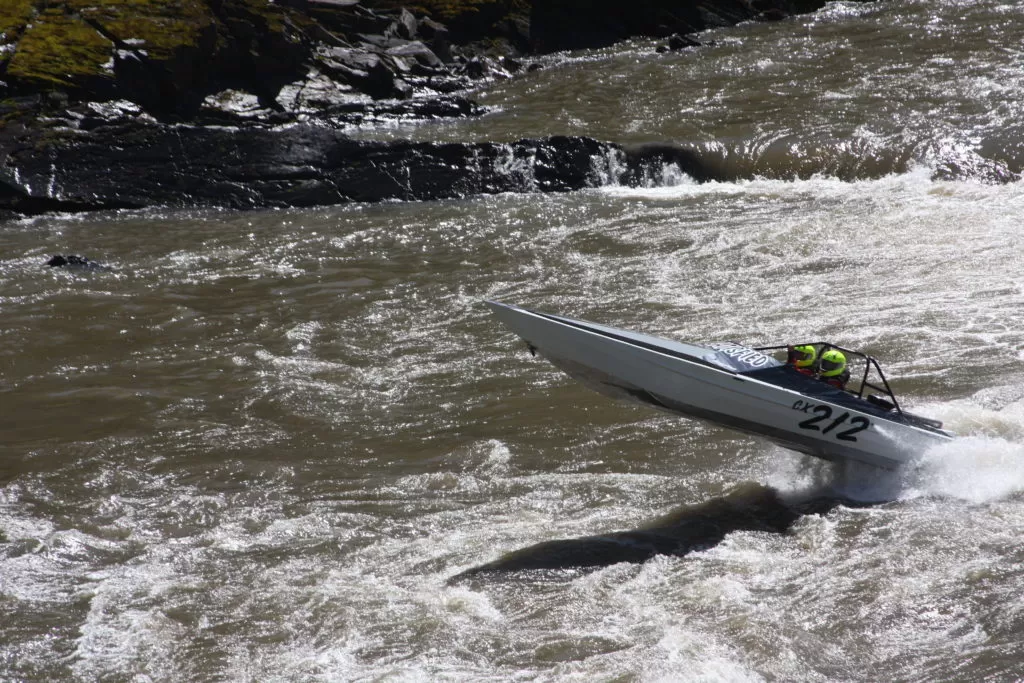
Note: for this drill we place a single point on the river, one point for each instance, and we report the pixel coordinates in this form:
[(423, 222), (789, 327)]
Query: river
[(266, 444)]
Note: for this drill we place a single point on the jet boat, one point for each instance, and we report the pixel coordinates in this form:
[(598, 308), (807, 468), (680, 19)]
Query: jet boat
[(736, 386)]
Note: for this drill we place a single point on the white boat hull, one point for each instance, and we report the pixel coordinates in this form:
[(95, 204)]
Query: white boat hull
[(673, 376)]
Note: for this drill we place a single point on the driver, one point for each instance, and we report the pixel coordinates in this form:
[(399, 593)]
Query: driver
[(833, 368)]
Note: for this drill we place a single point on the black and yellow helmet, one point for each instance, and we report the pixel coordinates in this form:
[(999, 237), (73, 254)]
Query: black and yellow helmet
[(802, 356), (833, 363)]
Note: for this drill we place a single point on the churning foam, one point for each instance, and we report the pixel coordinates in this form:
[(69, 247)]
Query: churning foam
[(984, 463), (978, 469)]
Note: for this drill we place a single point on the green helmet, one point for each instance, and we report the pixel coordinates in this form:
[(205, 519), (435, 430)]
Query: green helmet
[(802, 356), (833, 363)]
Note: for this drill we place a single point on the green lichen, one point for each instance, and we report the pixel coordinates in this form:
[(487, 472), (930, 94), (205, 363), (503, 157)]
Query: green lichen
[(69, 41), (162, 26), (59, 49), (14, 16), (260, 10)]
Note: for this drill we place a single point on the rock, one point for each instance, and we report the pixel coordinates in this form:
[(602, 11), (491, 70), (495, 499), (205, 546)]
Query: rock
[(403, 89), (334, 3), (349, 19), (349, 58), (646, 163), (77, 263), (233, 106), (312, 96), (487, 23), (171, 63), (148, 164), (166, 59), (774, 14), (369, 72), (447, 84), (510, 65), (381, 42), (429, 29), (405, 25), (438, 39), (476, 68), (577, 24), (678, 42), (420, 108), (419, 52)]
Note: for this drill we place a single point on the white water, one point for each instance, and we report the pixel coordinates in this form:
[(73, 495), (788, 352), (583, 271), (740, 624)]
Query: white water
[(262, 448), (335, 491)]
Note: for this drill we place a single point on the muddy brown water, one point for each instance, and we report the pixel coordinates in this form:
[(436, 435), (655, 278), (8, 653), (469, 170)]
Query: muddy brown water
[(262, 447)]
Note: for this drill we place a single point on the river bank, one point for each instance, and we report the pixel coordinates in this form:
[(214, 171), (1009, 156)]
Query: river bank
[(244, 103)]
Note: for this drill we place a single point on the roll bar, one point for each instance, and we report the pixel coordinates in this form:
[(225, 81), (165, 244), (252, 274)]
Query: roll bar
[(865, 383)]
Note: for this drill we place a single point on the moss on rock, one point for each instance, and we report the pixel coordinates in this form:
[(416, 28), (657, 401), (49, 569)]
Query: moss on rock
[(14, 16), (59, 49), (70, 44), (159, 27), (165, 55)]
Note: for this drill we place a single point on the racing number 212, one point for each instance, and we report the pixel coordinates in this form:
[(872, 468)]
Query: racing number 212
[(822, 413)]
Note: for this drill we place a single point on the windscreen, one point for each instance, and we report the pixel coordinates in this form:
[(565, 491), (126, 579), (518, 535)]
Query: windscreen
[(738, 358)]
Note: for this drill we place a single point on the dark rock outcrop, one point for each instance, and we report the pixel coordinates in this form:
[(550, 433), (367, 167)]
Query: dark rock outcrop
[(176, 59), (137, 164), (646, 163)]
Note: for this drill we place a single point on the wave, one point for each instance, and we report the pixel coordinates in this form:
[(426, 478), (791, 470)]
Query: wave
[(983, 466), (986, 463), (801, 158)]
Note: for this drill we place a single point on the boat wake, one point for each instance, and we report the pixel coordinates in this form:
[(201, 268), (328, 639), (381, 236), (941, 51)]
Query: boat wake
[(976, 469), (986, 465)]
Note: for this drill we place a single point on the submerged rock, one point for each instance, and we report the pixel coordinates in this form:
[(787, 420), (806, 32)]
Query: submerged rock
[(693, 528), (74, 262)]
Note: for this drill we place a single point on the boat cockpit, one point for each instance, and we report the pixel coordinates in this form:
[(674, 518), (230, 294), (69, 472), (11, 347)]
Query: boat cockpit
[(867, 381)]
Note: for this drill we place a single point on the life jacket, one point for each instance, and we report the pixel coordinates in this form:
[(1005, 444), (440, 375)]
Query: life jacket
[(838, 381)]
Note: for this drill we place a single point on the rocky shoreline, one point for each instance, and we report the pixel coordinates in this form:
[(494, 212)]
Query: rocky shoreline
[(242, 103)]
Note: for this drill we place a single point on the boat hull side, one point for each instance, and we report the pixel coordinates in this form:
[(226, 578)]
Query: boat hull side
[(692, 388)]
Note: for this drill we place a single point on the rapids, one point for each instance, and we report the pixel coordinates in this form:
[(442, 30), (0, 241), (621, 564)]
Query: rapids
[(266, 445)]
